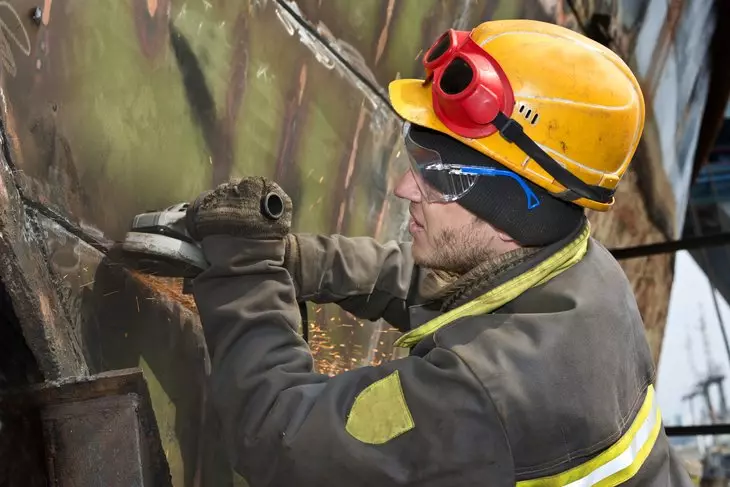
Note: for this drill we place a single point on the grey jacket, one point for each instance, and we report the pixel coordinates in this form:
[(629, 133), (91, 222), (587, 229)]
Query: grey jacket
[(542, 379)]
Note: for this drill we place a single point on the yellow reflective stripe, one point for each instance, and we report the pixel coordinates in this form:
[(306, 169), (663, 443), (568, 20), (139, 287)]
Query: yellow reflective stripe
[(627, 473), (565, 258), (380, 412), (618, 463)]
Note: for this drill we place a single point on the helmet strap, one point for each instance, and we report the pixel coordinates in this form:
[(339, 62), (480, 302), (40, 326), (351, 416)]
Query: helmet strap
[(513, 133)]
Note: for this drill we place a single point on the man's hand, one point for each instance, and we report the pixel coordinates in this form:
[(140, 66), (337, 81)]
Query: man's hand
[(253, 207)]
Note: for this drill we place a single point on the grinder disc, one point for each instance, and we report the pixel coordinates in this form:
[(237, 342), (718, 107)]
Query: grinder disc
[(159, 255)]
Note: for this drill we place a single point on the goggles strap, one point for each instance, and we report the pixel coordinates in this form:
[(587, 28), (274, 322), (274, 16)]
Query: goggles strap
[(513, 133)]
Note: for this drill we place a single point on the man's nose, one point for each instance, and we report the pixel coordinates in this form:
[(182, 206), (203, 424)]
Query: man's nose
[(407, 187)]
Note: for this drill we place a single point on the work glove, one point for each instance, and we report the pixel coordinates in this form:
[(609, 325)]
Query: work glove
[(252, 207)]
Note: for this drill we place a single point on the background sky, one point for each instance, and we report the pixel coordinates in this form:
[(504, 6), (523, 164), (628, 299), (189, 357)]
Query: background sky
[(685, 353)]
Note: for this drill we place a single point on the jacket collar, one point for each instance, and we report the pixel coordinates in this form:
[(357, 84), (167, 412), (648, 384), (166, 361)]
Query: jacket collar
[(490, 292), (461, 289)]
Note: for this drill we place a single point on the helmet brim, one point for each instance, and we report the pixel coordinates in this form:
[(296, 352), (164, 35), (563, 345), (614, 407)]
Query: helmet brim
[(413, 102)]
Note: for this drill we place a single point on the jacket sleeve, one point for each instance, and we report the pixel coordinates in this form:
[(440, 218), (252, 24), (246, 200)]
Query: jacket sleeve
[(416, 421), (369, 279)]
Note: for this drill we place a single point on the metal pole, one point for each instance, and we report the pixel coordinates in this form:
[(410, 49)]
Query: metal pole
[(689, 243), (710, 278), (699, 430)]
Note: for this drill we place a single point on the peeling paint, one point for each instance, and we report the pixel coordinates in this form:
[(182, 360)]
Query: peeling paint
[(45, 308), (323, 54), (464, 20), (46, 18), (292, 26), (13, 35), (4, 196), (383, 39)]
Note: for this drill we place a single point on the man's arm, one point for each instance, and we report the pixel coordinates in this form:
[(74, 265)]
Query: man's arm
[(416, 421), (369, 279)]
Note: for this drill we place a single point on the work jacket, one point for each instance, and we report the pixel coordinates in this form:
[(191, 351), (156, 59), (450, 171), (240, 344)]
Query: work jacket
[(543, 378)]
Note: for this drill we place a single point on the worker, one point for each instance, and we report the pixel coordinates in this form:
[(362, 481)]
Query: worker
[(526, 361)]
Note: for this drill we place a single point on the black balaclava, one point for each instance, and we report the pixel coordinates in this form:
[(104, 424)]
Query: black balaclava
[(500, 200)]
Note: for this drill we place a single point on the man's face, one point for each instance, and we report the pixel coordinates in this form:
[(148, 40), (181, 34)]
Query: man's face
[(445, 235)]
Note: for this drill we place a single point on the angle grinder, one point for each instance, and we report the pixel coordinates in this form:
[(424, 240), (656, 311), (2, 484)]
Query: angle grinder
[(159, 244)]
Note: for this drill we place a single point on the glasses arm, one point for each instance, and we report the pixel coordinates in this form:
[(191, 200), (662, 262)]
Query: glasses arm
[(532, 200)]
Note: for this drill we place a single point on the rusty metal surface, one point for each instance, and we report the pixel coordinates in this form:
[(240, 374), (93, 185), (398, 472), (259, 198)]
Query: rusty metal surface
[(95, 443), (113, 108), (30, 286), (128, 320), (98, 430)]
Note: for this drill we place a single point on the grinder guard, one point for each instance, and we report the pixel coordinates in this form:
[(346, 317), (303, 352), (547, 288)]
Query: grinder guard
[(158, 244)]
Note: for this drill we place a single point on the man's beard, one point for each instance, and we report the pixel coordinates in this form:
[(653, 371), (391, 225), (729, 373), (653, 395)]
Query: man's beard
[(459, 251)]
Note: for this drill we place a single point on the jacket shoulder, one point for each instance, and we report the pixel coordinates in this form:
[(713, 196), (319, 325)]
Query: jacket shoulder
[(566, 363)]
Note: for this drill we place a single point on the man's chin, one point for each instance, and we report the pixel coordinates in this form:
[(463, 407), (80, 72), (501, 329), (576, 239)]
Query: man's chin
[(419, 252)]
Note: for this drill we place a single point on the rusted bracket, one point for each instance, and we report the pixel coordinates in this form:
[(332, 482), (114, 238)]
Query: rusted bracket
[(98, 430)]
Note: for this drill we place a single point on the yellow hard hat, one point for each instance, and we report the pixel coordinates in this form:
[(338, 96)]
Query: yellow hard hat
[(548, 103)]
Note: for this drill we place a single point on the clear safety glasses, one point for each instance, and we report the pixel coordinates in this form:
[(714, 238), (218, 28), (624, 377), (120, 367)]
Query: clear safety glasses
[(444, 183)]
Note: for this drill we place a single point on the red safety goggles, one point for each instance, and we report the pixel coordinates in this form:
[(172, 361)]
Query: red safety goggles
[(472, 96), (469, 86)]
